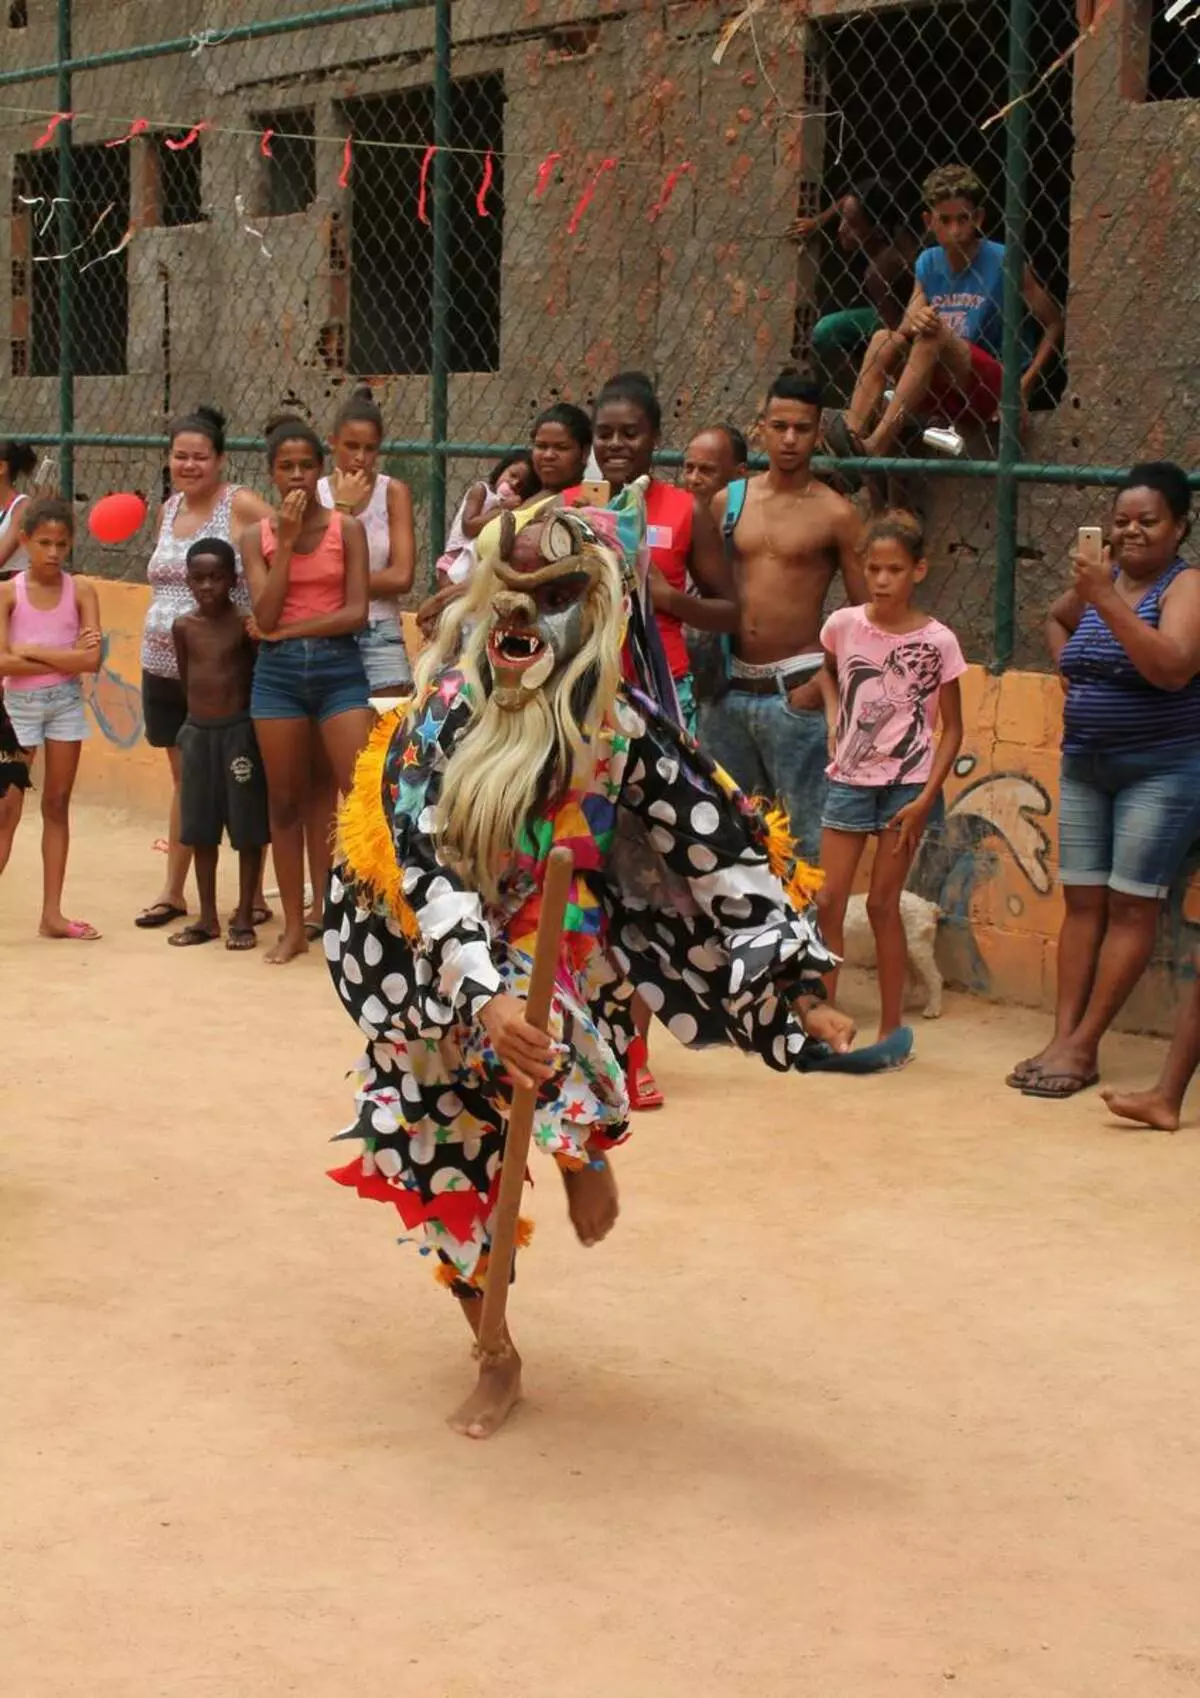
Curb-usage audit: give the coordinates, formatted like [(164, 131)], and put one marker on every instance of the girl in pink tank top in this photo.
[(307, 571), (49, 637)]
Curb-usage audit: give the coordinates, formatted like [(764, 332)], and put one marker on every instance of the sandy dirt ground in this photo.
[(880, 1387)]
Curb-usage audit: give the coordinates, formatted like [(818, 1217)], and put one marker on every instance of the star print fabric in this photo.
[(672, 897)]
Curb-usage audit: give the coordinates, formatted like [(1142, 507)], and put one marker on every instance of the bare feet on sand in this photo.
[(592, 1200), (1148, 1108), (289, 946), (489, 1405)]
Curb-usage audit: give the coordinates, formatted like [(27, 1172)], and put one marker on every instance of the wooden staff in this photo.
[(555, 891)]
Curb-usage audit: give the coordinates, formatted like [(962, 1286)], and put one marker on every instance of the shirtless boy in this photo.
[(793, 534), (223, 787)]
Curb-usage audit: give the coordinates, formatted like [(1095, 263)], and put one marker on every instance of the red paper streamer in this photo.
[(426, 162), (545, 172), (47, 135), (137, 128), (668, 189), (585, 199), (347, 162), (489, 172), (193, 135), (264, 144)]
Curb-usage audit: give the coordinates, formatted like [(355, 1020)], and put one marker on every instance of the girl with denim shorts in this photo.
[(1126, 641), (383, 506), (896, 673), (307, 571), (49, 637)]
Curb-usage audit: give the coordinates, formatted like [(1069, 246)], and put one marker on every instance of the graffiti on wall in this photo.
[(997, 825), (115, 704)]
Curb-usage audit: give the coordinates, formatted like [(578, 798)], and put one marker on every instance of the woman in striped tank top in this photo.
[(1126, 640)]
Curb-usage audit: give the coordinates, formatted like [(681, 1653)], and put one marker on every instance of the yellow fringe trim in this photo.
[(364, 830), (449, 1276), (799, 879)]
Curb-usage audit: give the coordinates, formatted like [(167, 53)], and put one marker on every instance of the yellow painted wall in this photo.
[(991, 869)]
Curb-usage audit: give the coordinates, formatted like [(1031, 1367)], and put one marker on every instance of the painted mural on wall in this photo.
[(115, 704)]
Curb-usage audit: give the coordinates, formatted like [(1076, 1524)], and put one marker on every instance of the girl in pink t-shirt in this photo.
[(891, 673)]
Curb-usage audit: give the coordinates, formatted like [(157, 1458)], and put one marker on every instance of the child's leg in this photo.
[(841, 851), (60, 764), (250, 869), (1160, 1106), (884, 355), (928, 353), (343, 736), (883, 910), (285, 748), (205, 859), (11, 804)]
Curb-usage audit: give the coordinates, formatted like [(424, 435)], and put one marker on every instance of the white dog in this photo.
[(920, 921)]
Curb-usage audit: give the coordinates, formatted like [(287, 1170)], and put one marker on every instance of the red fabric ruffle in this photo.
[(457, 1211)]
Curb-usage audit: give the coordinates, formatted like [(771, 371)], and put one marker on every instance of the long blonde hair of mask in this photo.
[(494, 778)]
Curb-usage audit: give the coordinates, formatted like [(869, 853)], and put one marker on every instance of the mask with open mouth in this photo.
[(539, 618)]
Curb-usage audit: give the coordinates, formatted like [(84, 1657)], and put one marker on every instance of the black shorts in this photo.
[(164, 709), (224, 787), (14, 770)]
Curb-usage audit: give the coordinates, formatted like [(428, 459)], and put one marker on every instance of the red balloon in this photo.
[(115, 518)]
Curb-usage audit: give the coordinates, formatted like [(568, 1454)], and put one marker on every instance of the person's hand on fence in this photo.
[(291, 517), (1093, 578), (526, 1052)]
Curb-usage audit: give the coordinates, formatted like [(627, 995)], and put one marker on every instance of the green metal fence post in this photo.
[(439, 352), (67, 273), (1016, 184)]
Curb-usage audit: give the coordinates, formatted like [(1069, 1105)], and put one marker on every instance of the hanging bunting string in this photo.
[(137, 128), (264, 144), (545, 172), (585, 199), (47, 135), (422, 191), (489, 172), (347, 163), (668, 189), (193, 135)]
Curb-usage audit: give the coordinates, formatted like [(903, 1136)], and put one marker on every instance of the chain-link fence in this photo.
[(483, 209)]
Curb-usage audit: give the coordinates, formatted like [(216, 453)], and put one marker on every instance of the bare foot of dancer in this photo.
[(1148, 1108), (493, 1399), (592, 1200), (289, 946)]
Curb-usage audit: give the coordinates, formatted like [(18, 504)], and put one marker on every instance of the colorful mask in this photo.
[(540, 618)]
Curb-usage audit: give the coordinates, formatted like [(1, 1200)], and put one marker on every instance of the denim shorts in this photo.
[(49, 713), (773, 750), (384, 656), (871, 807), (1126, 819), (308, 678)]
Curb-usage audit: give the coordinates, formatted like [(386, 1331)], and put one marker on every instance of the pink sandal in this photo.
[(77, 930)]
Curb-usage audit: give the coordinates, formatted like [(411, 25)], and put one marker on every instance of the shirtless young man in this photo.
[(769, 731)]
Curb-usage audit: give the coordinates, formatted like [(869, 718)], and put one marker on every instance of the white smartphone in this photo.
[(1090, 544)]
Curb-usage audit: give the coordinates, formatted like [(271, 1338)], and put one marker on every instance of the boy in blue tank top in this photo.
[(945, 357)]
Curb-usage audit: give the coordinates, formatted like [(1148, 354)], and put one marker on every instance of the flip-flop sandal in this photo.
[(883, 1057), (639, 1081), (313, 930), (78, 931), (159, 914), (1023, 1074), (1056, 1087), (241, 937), (261, 915), (190, 936)]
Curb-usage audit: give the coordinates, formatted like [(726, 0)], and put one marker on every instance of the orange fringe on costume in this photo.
[(799, 879), (449, 1276), (364, 832)]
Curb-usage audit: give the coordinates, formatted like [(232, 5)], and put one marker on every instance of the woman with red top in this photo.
[(685, 551), (684, 543), (307, 571)]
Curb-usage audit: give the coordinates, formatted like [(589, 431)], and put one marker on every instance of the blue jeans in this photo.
[(308, 678), (1127, 818), (773, 750)]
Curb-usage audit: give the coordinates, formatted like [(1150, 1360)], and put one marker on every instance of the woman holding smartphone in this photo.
[(1126, 640)]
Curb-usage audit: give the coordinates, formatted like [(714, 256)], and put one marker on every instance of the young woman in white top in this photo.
[(383, 506), (17, 460), (202, 505)]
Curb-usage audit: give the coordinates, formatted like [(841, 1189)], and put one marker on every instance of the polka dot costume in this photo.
[(673, 898)]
